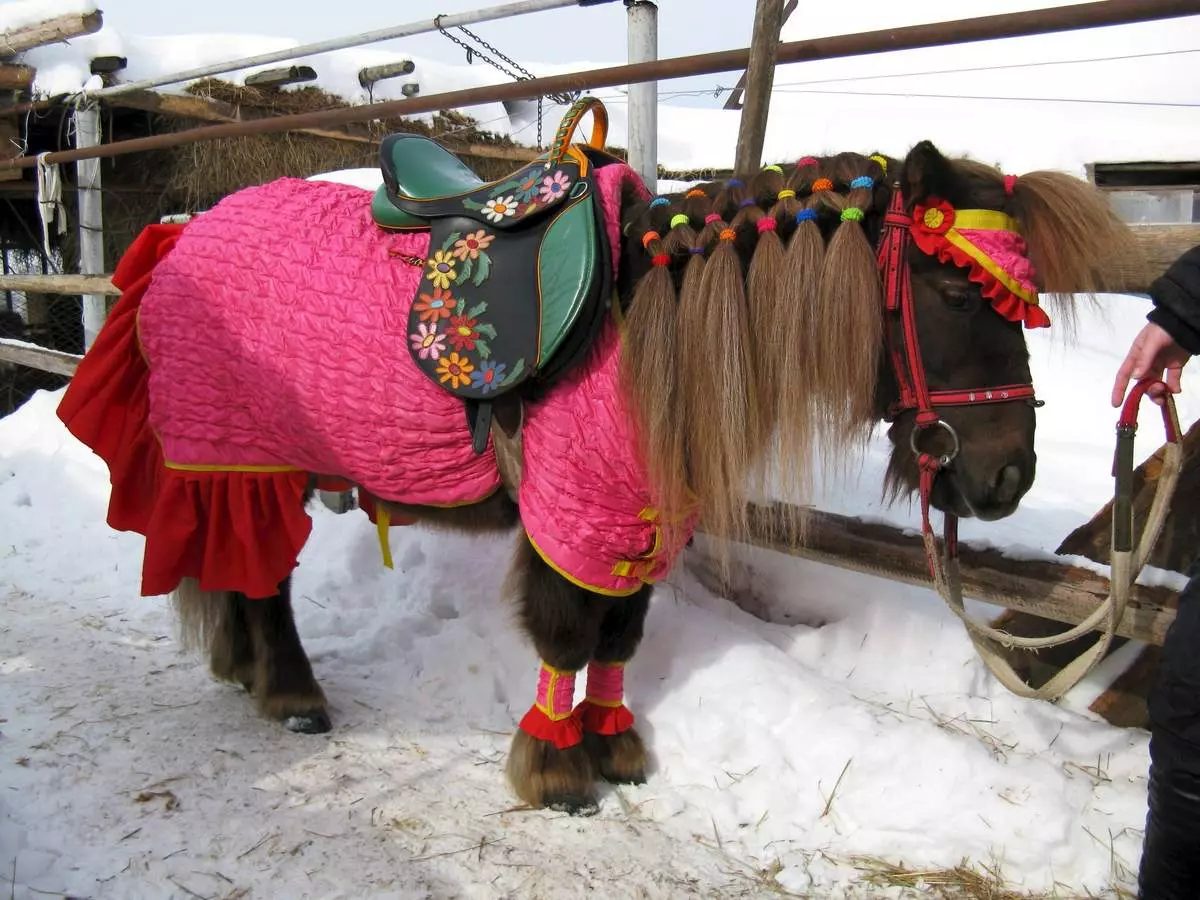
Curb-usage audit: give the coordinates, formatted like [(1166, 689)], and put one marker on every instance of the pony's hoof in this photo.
[(316, 722), (573, 806), (618, 758), (544, 776)]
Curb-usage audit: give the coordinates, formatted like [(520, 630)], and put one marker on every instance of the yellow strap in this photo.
[(383, 520), (984, 220)]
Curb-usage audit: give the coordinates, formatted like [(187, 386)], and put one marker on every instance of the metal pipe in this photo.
[(91, 217), (642, 21), (359, 40), (984, 28)]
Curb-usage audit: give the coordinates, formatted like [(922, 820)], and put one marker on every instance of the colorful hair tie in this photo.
[(852, 214), (807, 161), (650, 236), (882, 160), (785, 194), (679, 219), (822, 184), (766, 223), (863, 182), (659, 201), (749, 201), (805, 215), (712, 217), (694, 192), (773, 168), (728, 234), (660, 259), (734, 182), (1010, 184), (696, 251)]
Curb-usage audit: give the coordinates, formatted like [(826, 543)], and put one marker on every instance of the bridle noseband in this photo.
[(904, 353)]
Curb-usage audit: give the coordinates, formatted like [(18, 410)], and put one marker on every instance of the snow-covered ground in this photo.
[(780, 753)]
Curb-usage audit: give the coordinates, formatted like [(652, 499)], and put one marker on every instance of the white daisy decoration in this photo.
[(498, 208)]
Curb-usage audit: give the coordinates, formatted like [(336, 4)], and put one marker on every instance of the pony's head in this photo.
[(760, 343)]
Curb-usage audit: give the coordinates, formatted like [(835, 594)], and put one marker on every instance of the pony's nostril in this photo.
[(1008, 482)]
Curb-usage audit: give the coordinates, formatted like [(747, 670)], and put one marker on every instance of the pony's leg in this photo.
[(283, 680), (611, 740), (213, 621), (548, 764)]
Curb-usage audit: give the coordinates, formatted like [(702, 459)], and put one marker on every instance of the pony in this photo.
[(760, 323)]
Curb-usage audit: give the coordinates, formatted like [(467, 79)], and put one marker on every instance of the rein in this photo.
[(944, 565)]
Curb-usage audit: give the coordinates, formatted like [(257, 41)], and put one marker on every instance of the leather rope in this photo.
[(944, 565)]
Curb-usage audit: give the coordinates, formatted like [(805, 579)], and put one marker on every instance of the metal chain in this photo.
[(517, 72)]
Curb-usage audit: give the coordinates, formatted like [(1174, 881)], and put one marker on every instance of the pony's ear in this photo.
[(926, 172)]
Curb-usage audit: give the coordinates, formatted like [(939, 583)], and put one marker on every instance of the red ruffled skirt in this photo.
[(230, 530)]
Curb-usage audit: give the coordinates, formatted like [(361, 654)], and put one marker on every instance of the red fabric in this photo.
[(599, 719), (230, 530), (564, 733)]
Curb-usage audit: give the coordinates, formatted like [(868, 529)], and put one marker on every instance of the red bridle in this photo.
[(905, 357)]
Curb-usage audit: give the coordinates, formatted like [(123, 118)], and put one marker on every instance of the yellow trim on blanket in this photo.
[(383, 521), (258, 470), (607, 592)]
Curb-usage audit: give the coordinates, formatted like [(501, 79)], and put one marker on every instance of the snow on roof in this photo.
[(1053, 101)]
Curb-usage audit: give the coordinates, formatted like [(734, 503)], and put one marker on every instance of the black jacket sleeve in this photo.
[(1176, 297)]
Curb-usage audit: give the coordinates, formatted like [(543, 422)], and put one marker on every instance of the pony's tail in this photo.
[(649, 374), (848, 309), (718, 379)]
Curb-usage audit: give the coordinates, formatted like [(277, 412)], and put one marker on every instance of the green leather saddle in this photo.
[(519, 275)]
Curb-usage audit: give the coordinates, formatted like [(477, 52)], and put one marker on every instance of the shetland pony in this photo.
[(753, 338)]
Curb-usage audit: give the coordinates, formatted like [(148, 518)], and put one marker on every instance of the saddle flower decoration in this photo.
[(988, 244), (447, 318)]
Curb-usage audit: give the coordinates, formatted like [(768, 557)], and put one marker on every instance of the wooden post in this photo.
[(14, 77), (91, 218), (734, 100), (760, 76)]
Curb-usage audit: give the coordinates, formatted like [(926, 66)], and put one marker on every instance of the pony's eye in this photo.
[(956, 298)]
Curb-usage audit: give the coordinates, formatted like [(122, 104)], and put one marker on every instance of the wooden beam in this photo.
[(1051, 590), (15, 77), (276, 78), (41, 358), (60, 284), (1160, 245), (207, 109), (369, 75), (760, 76), (51, 31)]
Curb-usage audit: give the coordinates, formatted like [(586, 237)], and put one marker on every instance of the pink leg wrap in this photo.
[(604, 710), (551, 717)]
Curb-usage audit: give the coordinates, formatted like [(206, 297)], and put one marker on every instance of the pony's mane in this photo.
[(755, 329)]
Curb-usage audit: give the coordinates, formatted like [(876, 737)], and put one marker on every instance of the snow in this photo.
[(865, 727), (817, 107), (30, 12)]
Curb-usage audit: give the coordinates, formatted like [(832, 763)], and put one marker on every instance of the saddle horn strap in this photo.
[(570, 122)]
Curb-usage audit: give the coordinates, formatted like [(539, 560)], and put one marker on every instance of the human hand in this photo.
[(1152, 353)]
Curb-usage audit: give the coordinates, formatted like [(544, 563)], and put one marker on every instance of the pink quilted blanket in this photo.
[(275, 334)]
